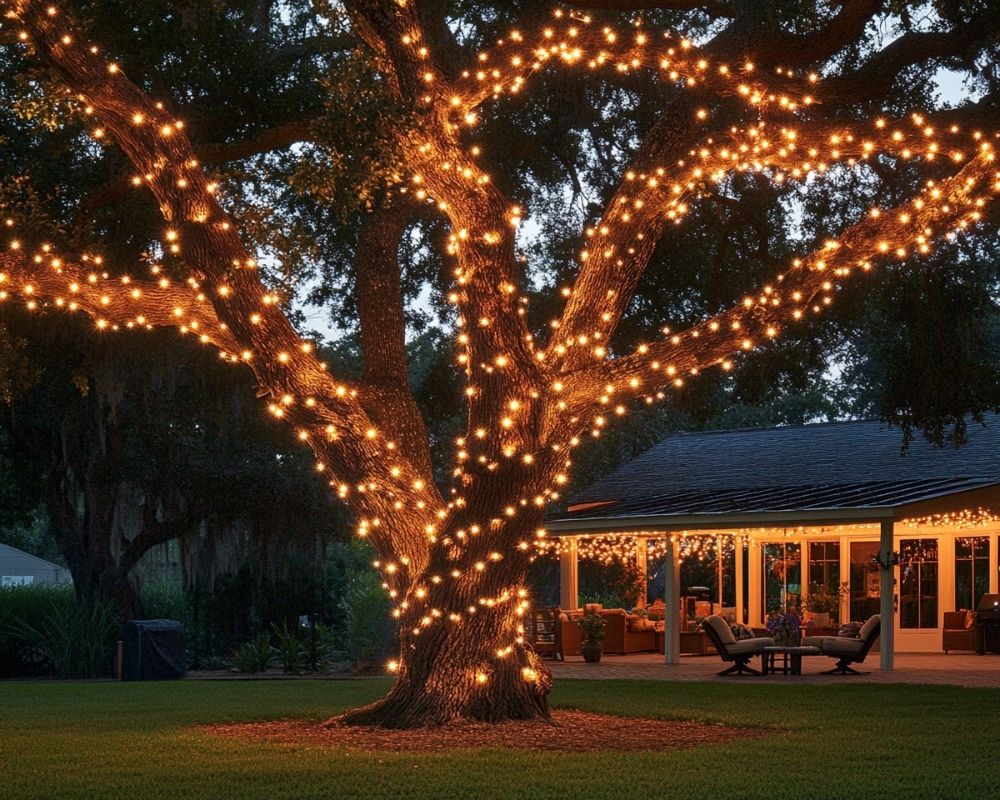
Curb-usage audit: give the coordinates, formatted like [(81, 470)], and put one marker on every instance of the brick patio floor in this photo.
[(942, 668)]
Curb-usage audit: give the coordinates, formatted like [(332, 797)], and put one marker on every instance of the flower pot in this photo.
[(820, 619), (591, 653)]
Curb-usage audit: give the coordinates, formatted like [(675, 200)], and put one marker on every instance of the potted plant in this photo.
[(785, 627), (593, 628), (821, 604)]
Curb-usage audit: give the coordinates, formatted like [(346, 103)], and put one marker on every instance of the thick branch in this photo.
[(157, 533), (277, 138), (952, 204), (814, 48), (387, 396), (499, 351), (875, 77), (113, 303)]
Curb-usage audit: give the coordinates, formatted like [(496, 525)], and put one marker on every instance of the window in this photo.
[(865, 589), (782, 576), (918, 583), (16, 580), (824, 570), (972, 570)]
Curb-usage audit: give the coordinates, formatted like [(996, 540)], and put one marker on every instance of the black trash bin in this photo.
[(153, 650)]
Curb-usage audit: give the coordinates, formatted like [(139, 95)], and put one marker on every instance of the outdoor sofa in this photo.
[(625, 633)]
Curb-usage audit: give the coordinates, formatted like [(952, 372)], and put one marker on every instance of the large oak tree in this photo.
[(454, 553)]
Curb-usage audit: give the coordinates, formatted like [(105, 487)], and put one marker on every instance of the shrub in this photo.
[(76, 642), (368, 630), (27, 604), (255, 655), (288, 649)]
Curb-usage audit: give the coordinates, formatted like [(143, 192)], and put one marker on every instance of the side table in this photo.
[(791, 659)]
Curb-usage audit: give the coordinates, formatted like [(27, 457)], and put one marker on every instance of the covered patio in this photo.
[(956, 669), (787, 511)]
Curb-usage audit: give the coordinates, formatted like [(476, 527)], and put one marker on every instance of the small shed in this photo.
[(18, 568)]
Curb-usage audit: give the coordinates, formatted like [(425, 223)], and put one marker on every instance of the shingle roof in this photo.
[(838, 465)]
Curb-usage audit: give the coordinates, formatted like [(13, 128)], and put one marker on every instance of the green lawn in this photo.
[(105, 740)]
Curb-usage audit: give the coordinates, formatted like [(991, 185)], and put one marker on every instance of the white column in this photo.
[(569, 584), (642, 566), (887, 592), (719, 571), (740, 579), (994, 562), (672, 603), (756, 582), (946, 575)]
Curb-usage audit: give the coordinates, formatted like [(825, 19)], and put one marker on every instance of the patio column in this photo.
[(738, 545), (887, 591), (642, 567), (569, 583), (672, 603), (755, 613)]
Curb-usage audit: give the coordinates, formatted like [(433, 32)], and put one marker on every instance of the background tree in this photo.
[(455, 561)]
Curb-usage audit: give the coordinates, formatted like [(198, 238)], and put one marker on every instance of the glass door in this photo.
[(864, 582), (918, 584)]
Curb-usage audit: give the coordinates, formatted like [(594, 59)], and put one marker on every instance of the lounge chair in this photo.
[(848, 650), (737, 651)]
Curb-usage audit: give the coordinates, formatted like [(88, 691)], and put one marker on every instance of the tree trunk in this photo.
[(86, 547), (463, 655), (456, 673)]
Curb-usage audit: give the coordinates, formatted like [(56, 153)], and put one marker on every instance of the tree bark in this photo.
[(478, 667)]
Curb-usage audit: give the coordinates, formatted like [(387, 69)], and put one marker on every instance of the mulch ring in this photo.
[(573, 732)]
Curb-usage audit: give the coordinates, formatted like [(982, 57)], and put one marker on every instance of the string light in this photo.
[(529, 404)]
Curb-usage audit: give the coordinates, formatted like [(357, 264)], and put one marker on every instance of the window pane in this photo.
[(824, 570), (918, 570), (782, 576), (972, 570)]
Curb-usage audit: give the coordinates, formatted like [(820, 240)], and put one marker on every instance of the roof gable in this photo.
[(6, 551)]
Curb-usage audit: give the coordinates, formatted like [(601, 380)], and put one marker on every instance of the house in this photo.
[(18, 568), (913, 534)]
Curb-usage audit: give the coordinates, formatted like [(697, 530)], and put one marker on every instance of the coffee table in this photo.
[(791, 659)]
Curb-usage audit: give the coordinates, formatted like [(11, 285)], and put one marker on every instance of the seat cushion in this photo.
[(813, 641), (748, 646), (721, 628), (868, 629), (841, 646)]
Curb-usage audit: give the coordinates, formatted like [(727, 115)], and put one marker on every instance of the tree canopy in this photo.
[(702, 208)]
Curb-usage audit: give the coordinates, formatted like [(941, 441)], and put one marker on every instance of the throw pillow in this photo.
[(741, 631), (851, 630), (634, 622), (970, 620)]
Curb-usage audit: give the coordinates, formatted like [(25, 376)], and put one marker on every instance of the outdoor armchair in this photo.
[(848, 650), (737, 651)]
